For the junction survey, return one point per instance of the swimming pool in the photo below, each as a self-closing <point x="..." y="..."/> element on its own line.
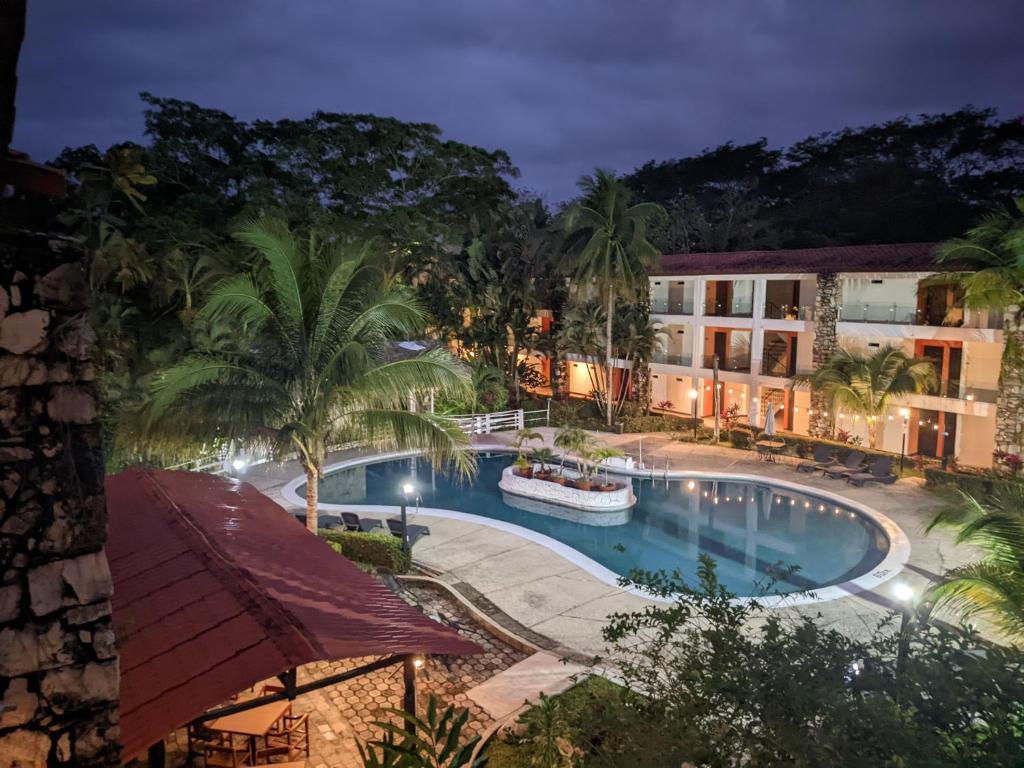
<point x="752" y="529"/>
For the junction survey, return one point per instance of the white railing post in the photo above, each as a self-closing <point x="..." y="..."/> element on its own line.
<point x="487" y="424"/>
<point x="547" y="414"/>
<point x="519" y="419"/>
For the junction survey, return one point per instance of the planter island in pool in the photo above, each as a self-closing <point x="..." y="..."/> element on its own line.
<point x="588" y="507"/>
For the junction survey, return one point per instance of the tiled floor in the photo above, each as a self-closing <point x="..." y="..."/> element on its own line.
<point x="343" y="714"/>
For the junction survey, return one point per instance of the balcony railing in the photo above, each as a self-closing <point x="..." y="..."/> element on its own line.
<point x="954" y="390"/>
<point x="735" y="364"/>
<point x="774" y="311"/>
<point x="779" y="367"/>
<point x="735" y="309"/>
<point x="666" y="359"/>
<point x="666" y="307"/>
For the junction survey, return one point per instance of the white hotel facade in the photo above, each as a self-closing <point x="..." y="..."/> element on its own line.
<point x="770" y="314"/>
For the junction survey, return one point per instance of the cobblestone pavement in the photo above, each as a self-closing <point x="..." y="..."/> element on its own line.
<point x="341" y="715"/>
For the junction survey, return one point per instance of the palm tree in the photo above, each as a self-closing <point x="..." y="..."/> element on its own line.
<point x="609" y="237"/>
<point x="991" y="255"/>
<point x="318" y="365"/>
<point x="866" y="385"/>
<point x="993" y="586"/>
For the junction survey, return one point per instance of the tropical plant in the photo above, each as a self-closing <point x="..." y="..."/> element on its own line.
<point x="434" y="741"/>
<point x="525" y="436"/>
<point x="608" y="236"/>
<point x="865" y="385"/>
<point x="601" y="454"/>
<point x="992" y="587"/>
<point x="545" y="457"/>
<point x="318" y="365"/>
<point x="991" y="257"/>
<point x="571" y="440"/>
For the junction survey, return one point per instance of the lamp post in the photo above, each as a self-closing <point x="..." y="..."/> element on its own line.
<point x="905" y="413"/>
<point x="406" y="490"/>
<point x="906" y="596"/>
<point x="693" y="411"/>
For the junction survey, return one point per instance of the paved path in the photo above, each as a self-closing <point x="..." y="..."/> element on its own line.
<point x="546" y="593"/>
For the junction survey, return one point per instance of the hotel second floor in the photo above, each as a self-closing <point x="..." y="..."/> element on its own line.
<point x="768" y="315"/>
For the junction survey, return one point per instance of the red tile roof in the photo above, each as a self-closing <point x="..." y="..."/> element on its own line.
<point x="216" y="587"/>
<point x="902" y="257"/>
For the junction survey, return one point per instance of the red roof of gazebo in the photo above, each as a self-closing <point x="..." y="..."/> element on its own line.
<point x="216" y="587"/>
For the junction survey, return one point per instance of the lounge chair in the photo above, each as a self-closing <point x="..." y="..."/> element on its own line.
<point x="854" y="463"/>
<point x="880" y="472"/>
<point x="822" y="460"/>
<point x="353" y="522"/>
<point x="415" y="531"/>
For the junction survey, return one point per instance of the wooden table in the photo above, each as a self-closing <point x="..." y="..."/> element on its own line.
<point x="252" y="723"/>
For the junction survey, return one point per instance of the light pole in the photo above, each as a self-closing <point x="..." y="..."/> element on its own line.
<point x="906" y="596"/>
<point x="905" y="413"/>
<point x="693" y="411"/>
<point x="406" y="490"/>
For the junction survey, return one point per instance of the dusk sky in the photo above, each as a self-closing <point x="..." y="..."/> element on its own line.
<point x="562" y="86"/>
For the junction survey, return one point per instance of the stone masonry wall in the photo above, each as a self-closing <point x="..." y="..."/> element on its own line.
<point x="827" y="301"/>
<point x="1010" y="404"/>
<point x="58" y="658"/>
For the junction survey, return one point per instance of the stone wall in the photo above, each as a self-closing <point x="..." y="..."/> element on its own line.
<point x="58" y="658"/>
<point x="828" y="298"/>
<point x="1010" y="403"/>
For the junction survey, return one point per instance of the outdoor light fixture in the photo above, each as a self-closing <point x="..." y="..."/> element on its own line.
<point x="238" y="464"/>
<point x="905" y="414"/>
<point x="418" y="662"/>
<point x="903" y="591"/>
<point x="407" y="489"/>
<point x="691" y="485"/>
<point x="693" y="411"/>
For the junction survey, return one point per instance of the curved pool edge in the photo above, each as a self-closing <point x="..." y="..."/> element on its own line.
<point x="897" y="556"/>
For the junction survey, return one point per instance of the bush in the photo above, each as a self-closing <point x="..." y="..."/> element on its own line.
<point x="709" y="681"/>
<point x="381" y="550"/>
<point x="977" y="484"/>
<point x="741" y="437"/>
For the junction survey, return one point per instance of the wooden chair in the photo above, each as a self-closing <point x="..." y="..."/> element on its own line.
<point x="290" y="739"/>
<point x="198" y="738"/>
<point x="226" y="754"/>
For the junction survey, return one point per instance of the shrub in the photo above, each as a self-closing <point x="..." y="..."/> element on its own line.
<point x="381" y="550"/>
<point x="977" y="484"/>
<point x="741" y="437"/>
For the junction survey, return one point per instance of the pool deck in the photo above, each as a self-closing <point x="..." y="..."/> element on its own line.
<point x="564" y="607"/>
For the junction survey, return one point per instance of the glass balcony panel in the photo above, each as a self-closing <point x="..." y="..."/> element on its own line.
<point x="667" y="359"/>
<point x="666" y="307"/>
<point x="739" y="364"/>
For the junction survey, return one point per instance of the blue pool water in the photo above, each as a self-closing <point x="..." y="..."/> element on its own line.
<point x="749" y="529"/>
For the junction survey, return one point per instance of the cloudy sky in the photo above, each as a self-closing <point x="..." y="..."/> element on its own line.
<point x="563" y="86"/>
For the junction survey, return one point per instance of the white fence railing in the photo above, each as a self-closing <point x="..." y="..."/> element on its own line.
<point x="500" y="421"/>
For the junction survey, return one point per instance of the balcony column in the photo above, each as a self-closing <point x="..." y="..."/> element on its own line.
<point x="697" y="344"/>
<point x="757" y="326"/>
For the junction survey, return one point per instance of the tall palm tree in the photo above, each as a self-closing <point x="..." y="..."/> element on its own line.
<point x="609" y="237"/>
<point x="991" y="255"/>
<point x="865" y="385"/>
<point x="318" y="365"/>
<point x="994" y="586"/>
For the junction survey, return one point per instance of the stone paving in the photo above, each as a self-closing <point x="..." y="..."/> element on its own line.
<point x="344" y="714"/>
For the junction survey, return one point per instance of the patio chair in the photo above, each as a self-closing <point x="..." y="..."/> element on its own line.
<point x="353" y="522"/>
<point x="880" y="472"/>
<point x="822" y="459"/>
<point x="854" y="463"/>
<point x="290" y="738"/>
<point x="226" y="754"/>
<point x="199" y="737"/>
<point x="416" y="532"/>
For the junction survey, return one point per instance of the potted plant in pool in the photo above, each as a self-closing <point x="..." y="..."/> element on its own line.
<point x="571" y="440"/>
<point x="523" y="467"/>
<point x="545" y="457"/>
<point x="600" y="455"/>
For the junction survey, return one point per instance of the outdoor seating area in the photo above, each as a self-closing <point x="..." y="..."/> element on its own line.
<point x="256" y="736"/>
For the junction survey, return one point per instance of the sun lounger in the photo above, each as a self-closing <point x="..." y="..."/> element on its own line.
<point x="415" y="531"/>
<point x="854" y="463"/>
<point x="353" y="522"/>
<point x="822" y="460"/>
<point x="880" y="472"/>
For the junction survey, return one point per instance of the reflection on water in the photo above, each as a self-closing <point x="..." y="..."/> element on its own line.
<point x="752" y="530"/>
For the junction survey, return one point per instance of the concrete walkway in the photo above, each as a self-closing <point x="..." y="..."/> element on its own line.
<point x="545" y="593"/>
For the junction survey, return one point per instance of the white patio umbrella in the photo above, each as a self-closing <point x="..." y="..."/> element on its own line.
<point x="769" y="420"/>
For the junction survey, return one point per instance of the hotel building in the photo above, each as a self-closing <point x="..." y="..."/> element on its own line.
<point x="768" y="315"/>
